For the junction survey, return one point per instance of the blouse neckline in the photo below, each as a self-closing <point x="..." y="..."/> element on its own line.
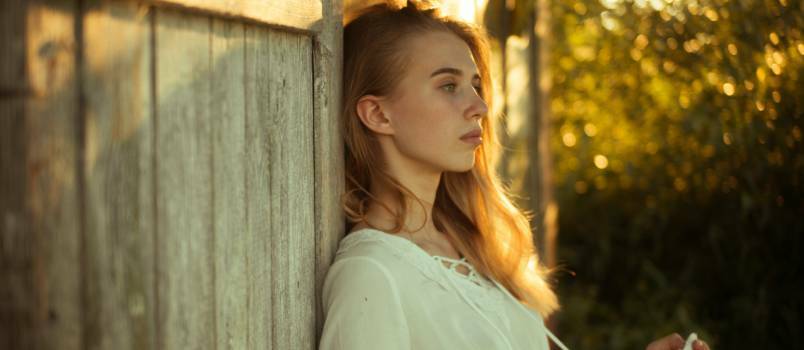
<point x="407" y="241"/>
<point x="490" y="299"/>
<point x="419" y="257"/>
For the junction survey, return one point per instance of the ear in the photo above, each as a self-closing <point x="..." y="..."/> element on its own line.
<point x="371" y="113"/>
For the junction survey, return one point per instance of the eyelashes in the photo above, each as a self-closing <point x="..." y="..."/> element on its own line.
<point x="450" y="87"/>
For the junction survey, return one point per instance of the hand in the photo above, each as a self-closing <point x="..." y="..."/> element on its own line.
<point x="675" y="342"/>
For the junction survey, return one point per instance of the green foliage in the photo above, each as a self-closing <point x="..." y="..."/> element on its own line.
<point x="679" y="171"/>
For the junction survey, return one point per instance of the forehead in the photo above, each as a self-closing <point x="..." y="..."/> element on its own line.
<point x="434" y="50"/>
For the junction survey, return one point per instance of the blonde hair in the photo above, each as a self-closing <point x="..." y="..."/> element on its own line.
<point x="472" y="208"/>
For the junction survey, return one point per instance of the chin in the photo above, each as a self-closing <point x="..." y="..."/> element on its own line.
<point x="456" y="164"/>
<point x="461" y="168"/>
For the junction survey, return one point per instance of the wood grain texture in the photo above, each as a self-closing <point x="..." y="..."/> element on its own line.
<point x="259" y="133"/>
<point x="289" y="108"/>
<point x="329" y="179"/>
<point x="159" y="177"/>
<point x="185" y="218"/>
<point x="119" y="277"/>
<point x="227" y="110"/>
<point x="297" y="14"/>
<point x="40" y="236"/>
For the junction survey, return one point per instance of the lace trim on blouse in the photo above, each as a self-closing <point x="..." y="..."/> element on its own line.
<point x="472" y="275"/>
<point x="485" y="294"/>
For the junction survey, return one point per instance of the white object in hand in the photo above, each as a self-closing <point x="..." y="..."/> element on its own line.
<point x="691" y="339"/>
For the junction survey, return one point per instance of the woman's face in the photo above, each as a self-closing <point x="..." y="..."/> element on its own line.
<point x="436" y="104"/>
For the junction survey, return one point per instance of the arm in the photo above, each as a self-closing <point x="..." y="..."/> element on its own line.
<point x="362" y="308"/>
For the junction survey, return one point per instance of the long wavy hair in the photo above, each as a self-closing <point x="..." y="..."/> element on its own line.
<point x="472" y="208"/>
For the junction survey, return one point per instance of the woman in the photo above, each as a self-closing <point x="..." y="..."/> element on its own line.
<point x="437" y="256"/>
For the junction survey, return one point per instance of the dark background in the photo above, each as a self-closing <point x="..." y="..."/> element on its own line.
<point x="695" y="222"/>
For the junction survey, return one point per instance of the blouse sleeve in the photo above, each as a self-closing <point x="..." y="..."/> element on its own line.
<point x="362" y="308"/>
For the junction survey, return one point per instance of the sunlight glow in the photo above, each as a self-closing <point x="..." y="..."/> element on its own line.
<point x="465" y="10"/>
<point x="601" y="162"/>
<point x="733" y="49"/>
<point x="728" y="89"/>
<point x="569" y="139"/>
<point x="590" y="129"/>
<point x="774" y="38"/>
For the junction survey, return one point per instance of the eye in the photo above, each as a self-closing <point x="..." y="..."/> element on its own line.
<point x="479" y="89"/>
<point x="449" y="87"/>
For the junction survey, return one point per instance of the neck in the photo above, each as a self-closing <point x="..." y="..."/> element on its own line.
<point x="418" y="216"/>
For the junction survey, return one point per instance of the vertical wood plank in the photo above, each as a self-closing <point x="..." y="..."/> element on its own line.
<point x="289" y="109"/>
<point x="228" y="127"/>
<point x="43" y="229"/>
<point x="259" y="135"/>
<point x="185" y="219"/>
<point x="119" y="193"/>
<point x="329" y="176"/>
<point x="544" y="204"/>
<point x="517" y="128"/>
<point x="280" y="217"/>
<point x="12" y="48"/>
<point x="23" y="311"/>
<point x="16" y="243"/>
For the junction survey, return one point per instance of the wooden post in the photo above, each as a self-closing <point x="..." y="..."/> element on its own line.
<point x="329" y="225"/>
<point x="546" y="209"/>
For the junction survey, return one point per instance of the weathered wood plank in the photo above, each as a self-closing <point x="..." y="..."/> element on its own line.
<point x="297" y="14"/>
<point x="17" y="303"/>
<point x="279" y="190"/>
<point x="329" y="179"/>
<point x="174" y="212"/>
<point x="185" y="219"/>
<point x="12" y="48"/>
<point x="24" y="314"/>
<point x="259" y="133"/>
<point x="119" y="207"/>
<point x="53" y="186"/>
<point x="40" y="235"/>
<point x="544" y="203"/>
<point x="228" y="125"/>
<point x="290" y="149"/>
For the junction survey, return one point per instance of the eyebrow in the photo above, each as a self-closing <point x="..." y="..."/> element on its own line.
<point x="450" y="70"/>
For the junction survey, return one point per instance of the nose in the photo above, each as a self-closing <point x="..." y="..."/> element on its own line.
<point x="478" y="109"/>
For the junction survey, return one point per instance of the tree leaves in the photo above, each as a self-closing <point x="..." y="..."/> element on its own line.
<point x="698" y="109"/>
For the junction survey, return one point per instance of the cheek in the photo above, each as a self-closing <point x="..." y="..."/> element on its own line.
<point x="425" y="123"/>
<point x="430" y="111"/>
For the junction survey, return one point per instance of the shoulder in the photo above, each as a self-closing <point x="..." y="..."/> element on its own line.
<point x="372" y="244"/>
<point x="357" y="272"/>
<point x="371" y="252"/>
<point x="363" y="266"/>
<point x="397" y="256"/>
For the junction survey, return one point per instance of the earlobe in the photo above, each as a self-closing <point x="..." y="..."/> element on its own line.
<point x="371" y="113"/>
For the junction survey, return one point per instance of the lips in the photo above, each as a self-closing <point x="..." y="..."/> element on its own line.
<point x="472" y="134"/>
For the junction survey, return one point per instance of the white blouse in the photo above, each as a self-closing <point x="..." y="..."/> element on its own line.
<point x="385" y="292"/>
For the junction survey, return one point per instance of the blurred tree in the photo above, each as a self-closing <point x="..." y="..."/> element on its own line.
<point x="679" y="170"/>
<point x="523" y="53"/>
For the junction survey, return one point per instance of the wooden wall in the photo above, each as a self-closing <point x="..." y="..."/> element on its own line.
<point x="169" y="174"/>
